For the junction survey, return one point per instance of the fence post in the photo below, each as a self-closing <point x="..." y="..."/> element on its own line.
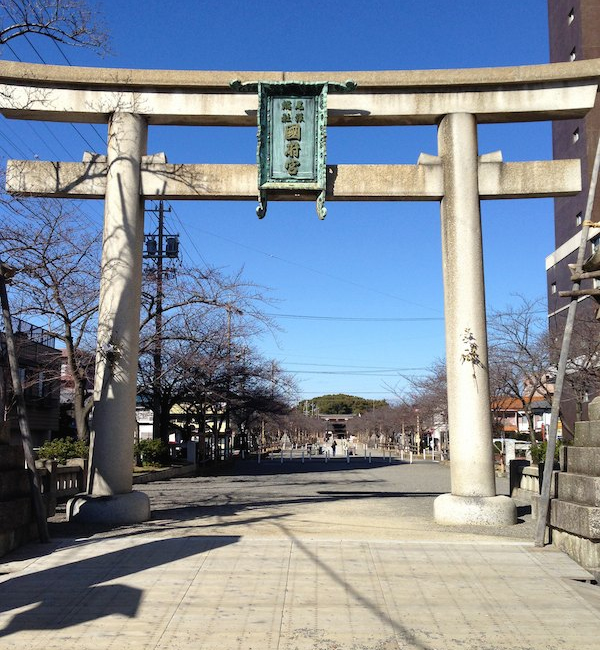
<point x="51" y="468"/>
<point x="82" y="487"/>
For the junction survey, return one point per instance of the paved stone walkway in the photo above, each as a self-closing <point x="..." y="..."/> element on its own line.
<point x="297" y="557"/>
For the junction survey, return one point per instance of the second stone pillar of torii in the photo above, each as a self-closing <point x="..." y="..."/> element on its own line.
<point x="473" y="499"/>
<point x="109" y="497"/>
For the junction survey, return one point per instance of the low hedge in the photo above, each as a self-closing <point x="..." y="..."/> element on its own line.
<point x="152" y="453"/>
<point x="63" y="449"/>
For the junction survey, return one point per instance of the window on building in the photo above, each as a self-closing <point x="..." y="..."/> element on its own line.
<point x="553" y="287"/>
<point x="576" y="135"/>
<point x="596" y="283"/>
<point x="594" y="243"/>
<point x="571" y="16"/>
<point x="579" y="218"/>
<point x="573" y="55"/>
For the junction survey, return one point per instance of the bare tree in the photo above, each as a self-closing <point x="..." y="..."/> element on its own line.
<point x="73" y="22"/>
<point x="519" y="356"/>
<point x="582" y="376"/>
<point x="429" y="392"/>
<point x="57" y="258"/>
<point x="200" y="352"/>
<point x="423" y="403"/>
<point x="261" y="391"/>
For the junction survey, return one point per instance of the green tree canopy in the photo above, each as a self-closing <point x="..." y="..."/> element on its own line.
<point x="344" y="404"/>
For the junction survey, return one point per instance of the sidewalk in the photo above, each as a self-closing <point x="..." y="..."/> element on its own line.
<point x="294" y="557"/>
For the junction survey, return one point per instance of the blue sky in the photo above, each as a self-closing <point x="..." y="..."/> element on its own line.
<point x="378" y="261"/>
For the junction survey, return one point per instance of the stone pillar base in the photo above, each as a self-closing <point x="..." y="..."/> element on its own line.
<point x="453" y="510"/>
<point x="117" y="509"/>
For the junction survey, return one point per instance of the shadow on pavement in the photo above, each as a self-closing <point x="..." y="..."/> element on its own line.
<point x="72" y="593"/>
<point x="401" y="630"/>
<point x="230" y="507"/>
<point x="296" y="466"/>
<point x="362" y="494"/>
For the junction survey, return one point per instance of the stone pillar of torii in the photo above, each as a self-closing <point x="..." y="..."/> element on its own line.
<point x="456" y="100"/>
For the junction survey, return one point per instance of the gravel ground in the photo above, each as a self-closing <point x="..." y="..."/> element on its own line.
<point x="311" y="500"/>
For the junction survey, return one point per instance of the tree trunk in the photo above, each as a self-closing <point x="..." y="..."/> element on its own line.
<point x="80" y="408"/>
<point x="570" y="433"/>
<point x="530" y="426"/>
<point x="579" y="406"/>
<point x="164" y="420"/>
<point x="4" y="423"/>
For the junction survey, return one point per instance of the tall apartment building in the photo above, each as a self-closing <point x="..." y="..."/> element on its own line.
<point x="574" y="30"/>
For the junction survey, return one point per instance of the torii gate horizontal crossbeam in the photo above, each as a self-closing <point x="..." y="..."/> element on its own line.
<point x="497" y="180"/>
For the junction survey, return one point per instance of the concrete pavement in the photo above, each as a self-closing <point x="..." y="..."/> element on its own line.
<point x="297" y="556"/>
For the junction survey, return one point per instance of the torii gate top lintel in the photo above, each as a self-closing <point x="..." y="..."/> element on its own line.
<point x="373" y="80"/>
<point x="504" y="94"/>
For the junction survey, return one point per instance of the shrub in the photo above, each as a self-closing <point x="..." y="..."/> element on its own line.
<point x="538" y="451"/>
<point x="152" y="452"/>
<point x="62" y="449"/>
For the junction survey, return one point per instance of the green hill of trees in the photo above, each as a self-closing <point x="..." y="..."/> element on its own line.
<point x="344" y="404"/>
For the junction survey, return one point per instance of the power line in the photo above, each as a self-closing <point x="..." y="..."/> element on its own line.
<point x="186" y="231"/>
<point x="317" y="271"/>
<point x="8" y="45"/>
<point x="10" y="128"/>
<point x="17" y="148"/>
<point x="358" y="319"/>
<point x="53" y="135"/>
<point x="41" y="58"/>
<point x="353" y="373"/>
<point x="92" y="126"/>
<point x="340" y="365"/>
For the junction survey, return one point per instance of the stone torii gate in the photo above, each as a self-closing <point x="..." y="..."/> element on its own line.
<point x="455" y="100"/>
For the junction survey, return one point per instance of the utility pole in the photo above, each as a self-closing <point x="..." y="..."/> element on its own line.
<point x="157" y="354"/>
<point x="228" y="431"/>
<point x="159" y="245"/>
<point x="227" y="404"/>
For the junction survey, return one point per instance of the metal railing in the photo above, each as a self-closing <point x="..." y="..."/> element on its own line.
<point x="32" y="332"/>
